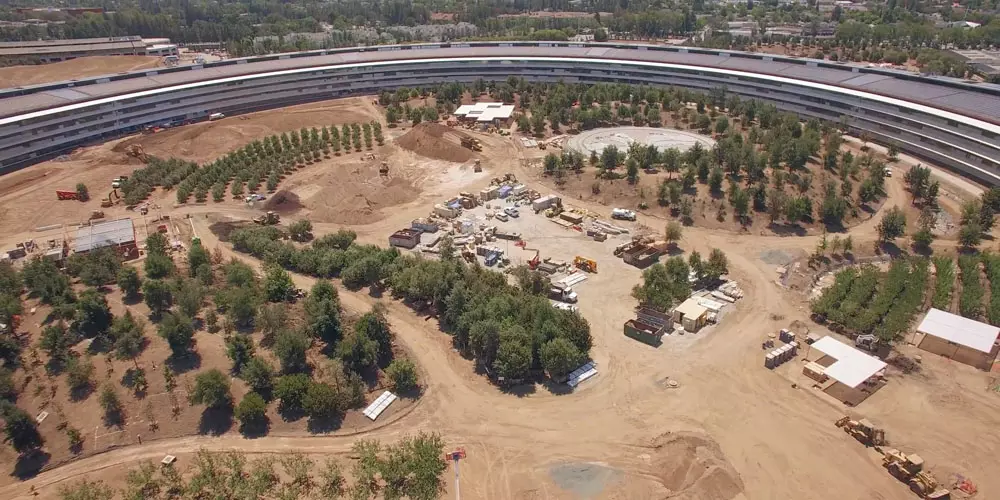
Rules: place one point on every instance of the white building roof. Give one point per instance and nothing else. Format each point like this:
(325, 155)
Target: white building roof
(102, 234)
(485, 111)
(690, 308)
(852, 366)
(959, 330)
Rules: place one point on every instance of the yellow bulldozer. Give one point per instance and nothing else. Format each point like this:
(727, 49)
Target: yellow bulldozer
(585, 264)
(384, 169)
(862, 430)
(471, 143)
(269, 218)
(136, 151)
(909, 469)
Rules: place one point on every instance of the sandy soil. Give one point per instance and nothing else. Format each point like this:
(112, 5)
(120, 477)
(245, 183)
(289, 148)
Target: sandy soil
(731, 430)
(16, 76)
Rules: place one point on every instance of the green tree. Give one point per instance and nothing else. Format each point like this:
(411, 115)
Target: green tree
(189, 296)
(114, 412)
(301, 230)
(80, 374)
(20, 429)
(632, 170)
(970, 235)
(290, 347)
(129, 282)
(81, 192)
(673, 233)
(323, 401)
(402, 373)
(251, 412)
(715, 180)
(892, 225)
(93, 315)
(291, 391)
(258, 374)
(211, 388)
(158, 266)
(717, 265)
(157, 295)
(56, 341)
(278, 285)
(128, 337)
(178, 331)
(609, 158)
(86, 490)
(240, 350)
(663, 284)
(322, 308)
(514, 356)
(559, 357)
(197, 256)
(156, 244)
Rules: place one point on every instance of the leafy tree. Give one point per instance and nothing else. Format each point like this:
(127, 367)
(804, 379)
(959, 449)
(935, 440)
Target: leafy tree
(358, 351)
(290, 348)
(80, 374)
(332, 480)
(673, 233)
(178, 331)
(156, 244)
(514, 356)
(970, 235)
(301, 230)
(559, 357)
(923, 238)
(56, 341)
(291, 391)
(403, 375)
(197, 256)
(715, 180)
(278, 285)
(142, 483)
(323, 401)
(44, 279)
(128, 338)
(717, 265)
(114, 412)
(86, 490)
(211, 388)
(251, 412)
(189, 296)
(322, 308)
(663, 284)
(610, 158)
(258, 374)
(892, 225)
(20, 429)
(240, 304)
(240, 350)
(129, 282)
(375, 326)
(632, 170)
(82, 193)
(97, 268)
(158, 266)
(93, 315)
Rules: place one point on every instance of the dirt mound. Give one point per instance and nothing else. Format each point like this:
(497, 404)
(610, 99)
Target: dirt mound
(434, 140)
(284, 202)
(692, 466)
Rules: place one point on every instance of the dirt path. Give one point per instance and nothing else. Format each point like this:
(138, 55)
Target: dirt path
(731, 430)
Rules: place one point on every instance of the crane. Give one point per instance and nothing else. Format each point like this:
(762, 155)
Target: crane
(455, 456)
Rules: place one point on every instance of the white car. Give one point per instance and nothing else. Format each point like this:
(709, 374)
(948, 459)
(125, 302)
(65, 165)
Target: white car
(565, 307)
(622, 214)
(502, 217)
(511, 211)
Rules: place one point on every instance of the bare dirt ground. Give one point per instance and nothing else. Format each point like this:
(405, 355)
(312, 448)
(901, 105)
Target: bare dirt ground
(16, 76)
(731, 430)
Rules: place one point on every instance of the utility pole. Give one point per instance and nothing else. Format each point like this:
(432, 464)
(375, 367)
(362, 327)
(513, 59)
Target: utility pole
(455, 456)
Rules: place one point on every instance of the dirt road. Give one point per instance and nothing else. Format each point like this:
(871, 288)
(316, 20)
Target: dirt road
(732, 429)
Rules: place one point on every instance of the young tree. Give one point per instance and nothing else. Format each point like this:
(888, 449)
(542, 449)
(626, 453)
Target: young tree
(301, 230)
(892, 225)
(323, 401)
(251, 412)
(715, 181)
(632, 170)
(403, 375)
(157, 295)
(129, 282)
(291, 391)
(80, 374)
(158, 266)
(114, 412)
(93, 315)
(258, 374)
(211, 388)
(20, 429)
(178, 331)
(290, 348)
(240, 350)
(197, 256)
(970, 235)
(82, 193)
(673, 233)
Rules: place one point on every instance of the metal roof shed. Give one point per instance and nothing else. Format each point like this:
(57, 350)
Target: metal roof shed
(962, 339)
(102, 234)
(852, 367)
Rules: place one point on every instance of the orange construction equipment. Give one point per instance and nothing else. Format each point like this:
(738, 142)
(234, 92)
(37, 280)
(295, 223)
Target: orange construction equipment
(533, 263)
(585, 264)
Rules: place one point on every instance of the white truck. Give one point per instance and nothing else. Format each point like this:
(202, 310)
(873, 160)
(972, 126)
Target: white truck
(622, 214)
(563, 294)
(215, 116)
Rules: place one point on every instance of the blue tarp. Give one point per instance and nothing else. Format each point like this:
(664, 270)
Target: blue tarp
(504, 191)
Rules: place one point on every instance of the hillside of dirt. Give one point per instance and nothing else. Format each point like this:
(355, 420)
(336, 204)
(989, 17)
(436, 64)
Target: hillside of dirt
(16, 76)
(692, 466)
(434, 140)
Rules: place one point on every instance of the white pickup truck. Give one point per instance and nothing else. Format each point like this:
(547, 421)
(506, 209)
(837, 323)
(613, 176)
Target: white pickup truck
(622, 214)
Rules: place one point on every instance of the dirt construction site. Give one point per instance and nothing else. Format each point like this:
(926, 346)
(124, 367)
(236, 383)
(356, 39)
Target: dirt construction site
(698, 417)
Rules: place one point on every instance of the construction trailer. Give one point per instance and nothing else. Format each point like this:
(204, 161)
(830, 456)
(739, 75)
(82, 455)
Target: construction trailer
(691, 315)
(446, 211)
(571, 217)
(545, 202)
(405, 238)
(847, 374)
(424, 225)
(489, 193)
(961, 339)
(641, 256)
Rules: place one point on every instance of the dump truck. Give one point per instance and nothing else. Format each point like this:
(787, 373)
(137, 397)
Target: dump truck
(862, 430)
(563, 294)
(471, 143)
(267, 219)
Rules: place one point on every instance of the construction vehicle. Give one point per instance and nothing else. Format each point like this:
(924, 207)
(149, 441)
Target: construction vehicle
(96, 214)
(136, 151)
(384, 169)
(909, 469)
(585, 264)
(67, 195)
(533, 263)
(622, 214)
(542, 145)
(269, 218)
(478, 167)
(862, 430)
(468, 255)
(117, 182)
(563, 294)
(471, 143)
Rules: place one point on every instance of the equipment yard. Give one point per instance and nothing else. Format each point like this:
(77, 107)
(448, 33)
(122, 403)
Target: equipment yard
(698, 416)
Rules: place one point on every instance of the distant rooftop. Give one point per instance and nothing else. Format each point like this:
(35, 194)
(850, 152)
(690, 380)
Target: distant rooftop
(485, 111)
(852, 366)
(104, 234)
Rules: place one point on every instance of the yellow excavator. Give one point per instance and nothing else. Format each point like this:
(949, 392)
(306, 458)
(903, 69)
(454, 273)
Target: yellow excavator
(862, 430)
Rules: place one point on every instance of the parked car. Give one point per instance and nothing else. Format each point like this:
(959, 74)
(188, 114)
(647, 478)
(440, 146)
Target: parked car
(511, 211)
(502, 217)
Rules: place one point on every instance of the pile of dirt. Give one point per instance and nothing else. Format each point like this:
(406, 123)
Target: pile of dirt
(692, 466)
(284, 202)
(434, 140)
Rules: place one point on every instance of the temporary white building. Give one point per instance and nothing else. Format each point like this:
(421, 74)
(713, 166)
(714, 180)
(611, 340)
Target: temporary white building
(849, 367)
(958, 338)
(485, 112)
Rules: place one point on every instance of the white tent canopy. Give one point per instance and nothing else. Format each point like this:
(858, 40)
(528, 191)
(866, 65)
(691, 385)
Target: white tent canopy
(959, 330)
(852, 366)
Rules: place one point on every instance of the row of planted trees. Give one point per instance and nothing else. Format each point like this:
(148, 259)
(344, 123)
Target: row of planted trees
(513, 331)
(262, 164)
